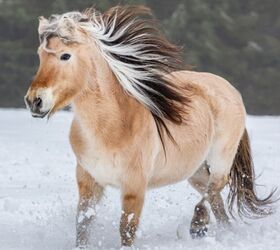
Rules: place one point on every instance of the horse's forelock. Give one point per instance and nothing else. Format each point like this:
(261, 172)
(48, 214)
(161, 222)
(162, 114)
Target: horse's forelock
(63, 26)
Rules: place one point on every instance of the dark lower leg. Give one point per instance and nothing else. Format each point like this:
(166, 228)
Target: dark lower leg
(199, 221)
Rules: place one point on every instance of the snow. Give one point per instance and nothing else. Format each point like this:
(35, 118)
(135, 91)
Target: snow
(38, 194)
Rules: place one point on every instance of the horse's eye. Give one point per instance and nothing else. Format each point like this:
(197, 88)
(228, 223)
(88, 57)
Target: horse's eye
(65, 57)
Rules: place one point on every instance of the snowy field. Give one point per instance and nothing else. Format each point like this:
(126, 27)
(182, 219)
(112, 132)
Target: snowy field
(38, 194)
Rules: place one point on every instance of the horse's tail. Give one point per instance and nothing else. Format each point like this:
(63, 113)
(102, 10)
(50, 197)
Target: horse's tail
(242, 185)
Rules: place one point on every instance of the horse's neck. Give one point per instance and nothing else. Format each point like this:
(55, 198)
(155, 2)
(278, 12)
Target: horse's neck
(106, 112)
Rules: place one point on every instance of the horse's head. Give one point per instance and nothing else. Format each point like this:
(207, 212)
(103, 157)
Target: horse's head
(65, 60)
(81, 52)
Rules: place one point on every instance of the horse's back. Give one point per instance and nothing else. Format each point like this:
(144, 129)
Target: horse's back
(215, 88)
(224, 100)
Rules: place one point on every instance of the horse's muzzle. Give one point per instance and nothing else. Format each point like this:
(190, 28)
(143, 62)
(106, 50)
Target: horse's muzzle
(35, 107)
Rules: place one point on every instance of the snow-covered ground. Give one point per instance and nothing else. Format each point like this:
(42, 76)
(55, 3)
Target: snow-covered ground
(38, 194)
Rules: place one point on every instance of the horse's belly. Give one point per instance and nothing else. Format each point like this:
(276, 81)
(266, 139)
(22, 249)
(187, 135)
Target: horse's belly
(180, 165)
(171, 175)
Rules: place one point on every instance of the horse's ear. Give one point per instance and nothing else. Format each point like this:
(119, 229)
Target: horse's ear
(42, 22)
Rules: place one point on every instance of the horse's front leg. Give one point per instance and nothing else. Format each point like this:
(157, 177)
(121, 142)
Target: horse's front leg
(90, 194)
(132, 203)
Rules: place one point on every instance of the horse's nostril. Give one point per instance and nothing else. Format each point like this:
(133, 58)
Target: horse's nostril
(37, 102)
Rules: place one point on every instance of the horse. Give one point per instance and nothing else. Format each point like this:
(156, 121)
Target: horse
(141, 119)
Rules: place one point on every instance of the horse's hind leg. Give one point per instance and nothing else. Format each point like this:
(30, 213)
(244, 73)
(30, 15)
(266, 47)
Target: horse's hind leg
(201, 216)
(216, 201)
(200, 220)
(220, 160)
(201, 182)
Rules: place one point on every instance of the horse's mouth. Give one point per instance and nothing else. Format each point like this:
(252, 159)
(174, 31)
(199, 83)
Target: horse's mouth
(39, 115)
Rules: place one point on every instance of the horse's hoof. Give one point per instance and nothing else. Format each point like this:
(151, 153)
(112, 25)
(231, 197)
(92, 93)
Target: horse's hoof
(198, 233)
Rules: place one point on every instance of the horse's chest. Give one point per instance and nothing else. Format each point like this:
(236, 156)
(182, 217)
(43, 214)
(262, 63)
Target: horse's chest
(103, 168)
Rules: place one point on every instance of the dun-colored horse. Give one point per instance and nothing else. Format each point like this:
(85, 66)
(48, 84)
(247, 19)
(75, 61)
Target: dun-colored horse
(140, 121)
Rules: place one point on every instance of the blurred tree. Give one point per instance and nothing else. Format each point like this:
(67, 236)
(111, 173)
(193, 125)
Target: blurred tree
(239, 40)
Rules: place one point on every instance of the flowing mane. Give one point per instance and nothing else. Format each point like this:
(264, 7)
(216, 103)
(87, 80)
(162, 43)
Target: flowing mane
(135, 50)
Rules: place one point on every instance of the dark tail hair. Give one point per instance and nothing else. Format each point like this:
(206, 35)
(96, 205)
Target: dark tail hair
(242, 185)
